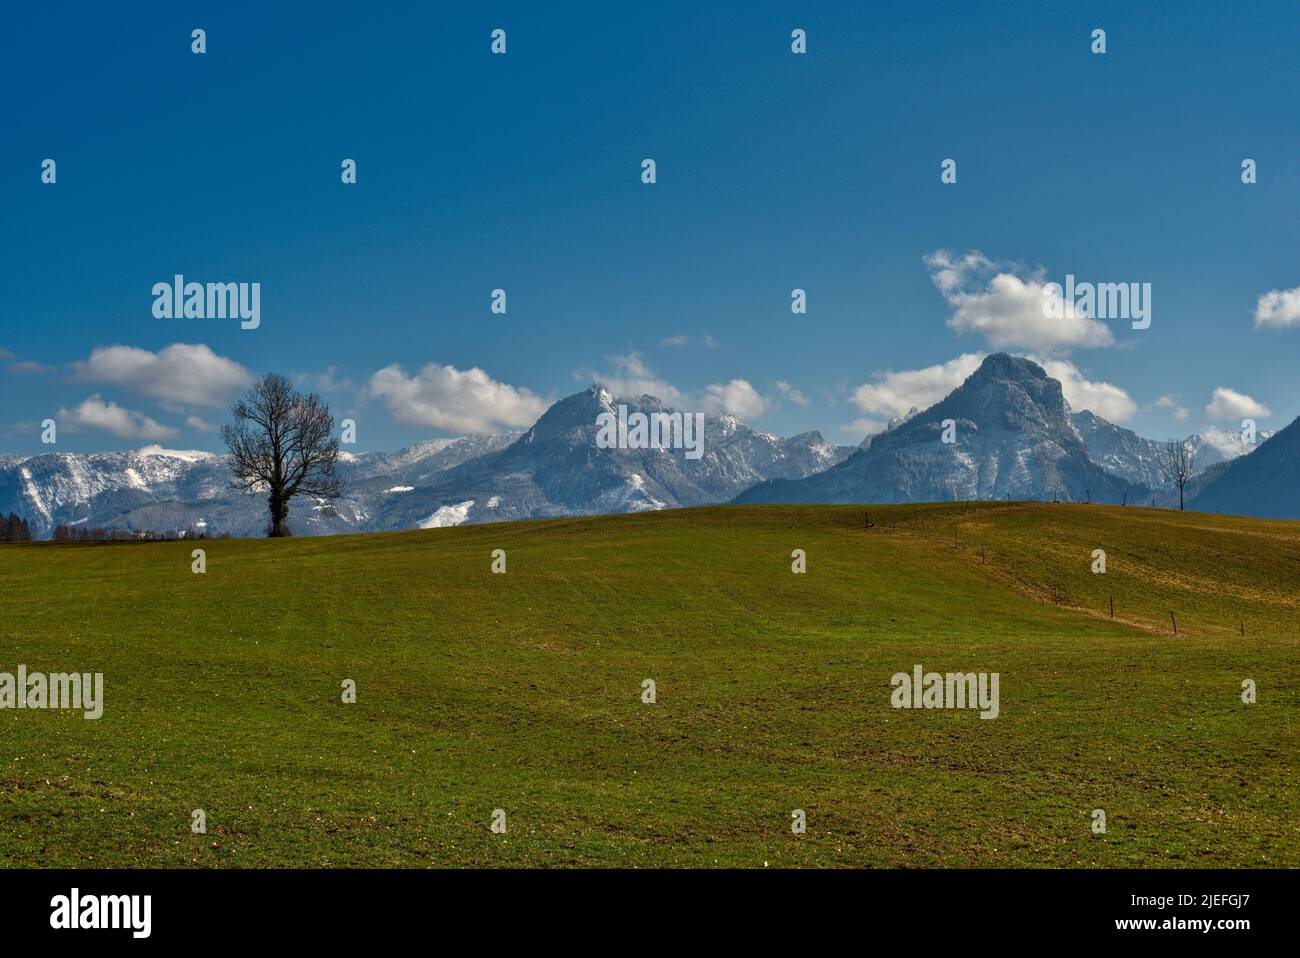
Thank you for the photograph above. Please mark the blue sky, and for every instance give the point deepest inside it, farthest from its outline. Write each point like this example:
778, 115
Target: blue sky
523, 172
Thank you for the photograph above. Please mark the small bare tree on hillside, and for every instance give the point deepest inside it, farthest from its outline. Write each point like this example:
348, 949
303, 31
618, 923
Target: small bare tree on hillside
282, 441
1176, 462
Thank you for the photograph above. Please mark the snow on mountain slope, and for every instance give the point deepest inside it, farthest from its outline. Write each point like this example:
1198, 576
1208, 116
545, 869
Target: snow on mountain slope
553, 469
1013, 439
1129, 456
556, 468
159, 489
447, 516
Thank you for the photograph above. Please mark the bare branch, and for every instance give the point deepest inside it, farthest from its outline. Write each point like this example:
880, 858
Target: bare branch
282, 441
1177, 463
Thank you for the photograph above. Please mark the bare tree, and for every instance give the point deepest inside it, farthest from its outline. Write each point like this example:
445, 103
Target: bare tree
282, 442
1176, 461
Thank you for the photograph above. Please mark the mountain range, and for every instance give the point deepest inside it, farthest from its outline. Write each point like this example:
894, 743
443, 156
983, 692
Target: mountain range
1009, 436
553, 469
1012, 435
1136, 459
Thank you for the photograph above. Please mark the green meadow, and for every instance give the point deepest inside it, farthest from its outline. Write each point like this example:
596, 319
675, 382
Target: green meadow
523, 692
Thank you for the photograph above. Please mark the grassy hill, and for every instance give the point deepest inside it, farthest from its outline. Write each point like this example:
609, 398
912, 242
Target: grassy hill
522, 691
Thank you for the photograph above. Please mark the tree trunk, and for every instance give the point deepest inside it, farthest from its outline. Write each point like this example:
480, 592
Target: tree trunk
279, 504
1180, 498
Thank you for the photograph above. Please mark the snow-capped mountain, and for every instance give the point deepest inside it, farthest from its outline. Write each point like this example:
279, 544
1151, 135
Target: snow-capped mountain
554, 469
1013, 438
59, 488
1119, 450
1136, 459
1266, 483
160, 489
1223, 445
894, 423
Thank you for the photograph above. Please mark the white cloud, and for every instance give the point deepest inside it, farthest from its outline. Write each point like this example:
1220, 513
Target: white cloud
1006, 307
1106, 400
1227, 443
199, 423
737, 397
327, 382
17, 365
895, 393
187, 374
94, 413
444, 397
790, 394
862, 428
1171, 402
632, 378
1228, 404
1278, 309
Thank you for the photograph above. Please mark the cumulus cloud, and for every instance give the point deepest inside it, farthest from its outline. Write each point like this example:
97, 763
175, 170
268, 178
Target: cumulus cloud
1004, 304
737, 397
94, 413
1226, 442
1228, 404
1278, 309
864, 427
200, 424
444, 397
185, 374
1171, 403
1106, 400
17, 365
631, 378
790, 394
327, 382
894, 394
